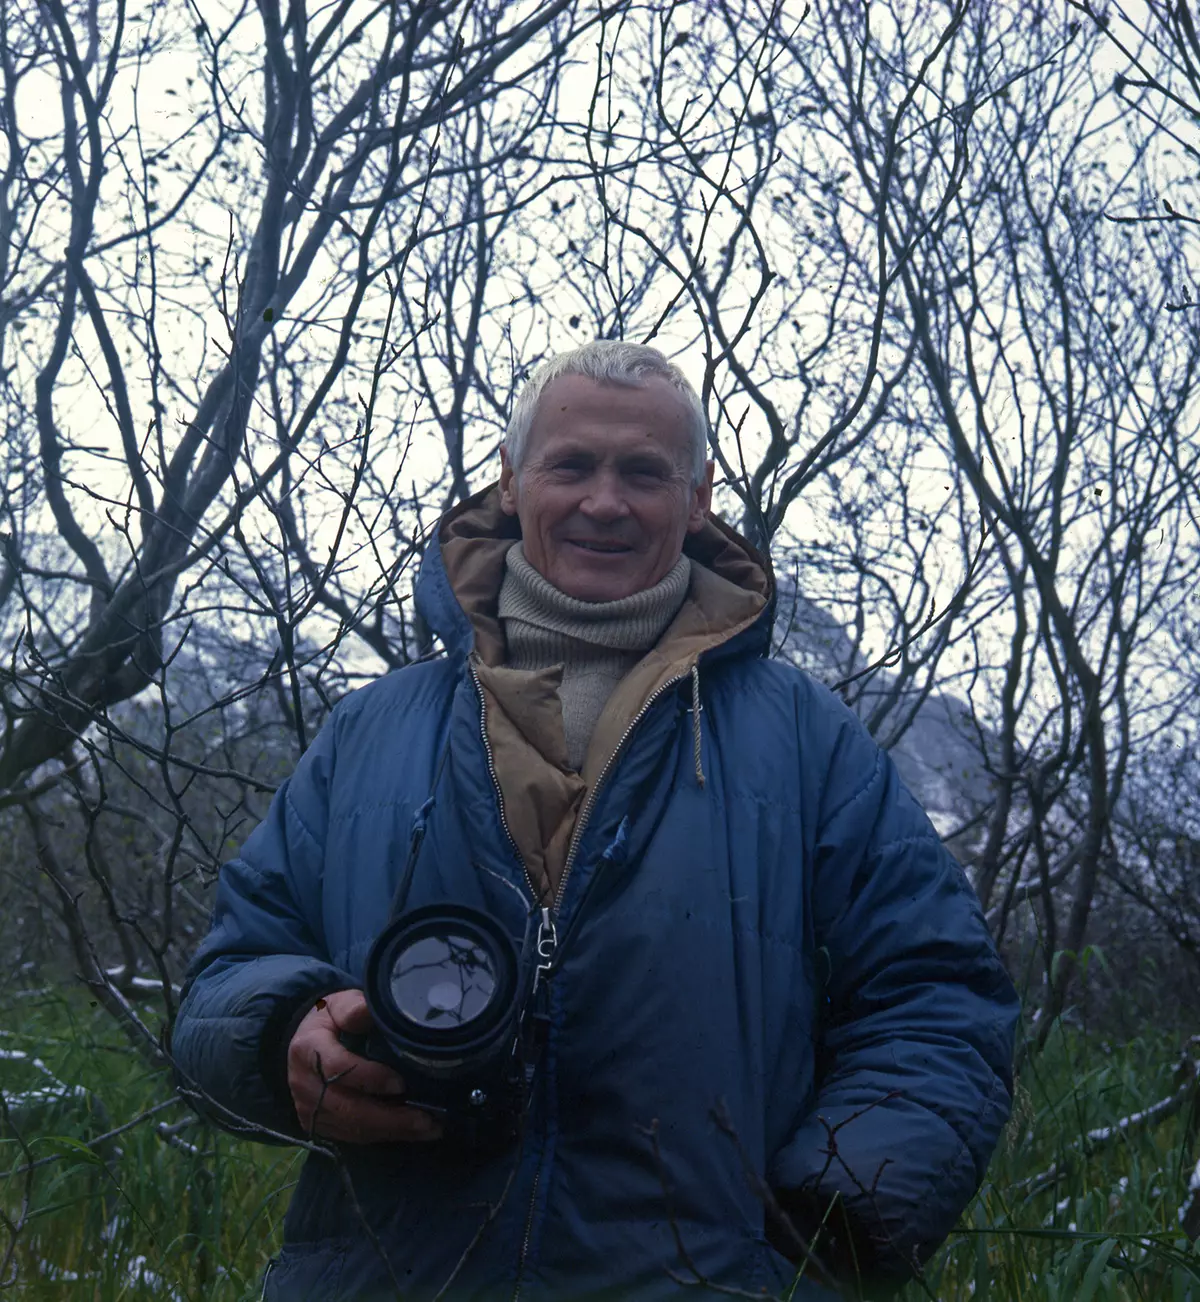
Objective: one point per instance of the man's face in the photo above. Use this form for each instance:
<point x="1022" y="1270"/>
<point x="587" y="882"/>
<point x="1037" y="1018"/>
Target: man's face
<point x="605" y="496"/>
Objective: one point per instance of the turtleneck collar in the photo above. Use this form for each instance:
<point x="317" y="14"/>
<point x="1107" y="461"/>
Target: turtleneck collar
<point x="592" y="645"/>
<point x="534" y="610"/>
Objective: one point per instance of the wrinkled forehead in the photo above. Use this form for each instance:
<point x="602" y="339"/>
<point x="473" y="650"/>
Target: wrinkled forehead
<point x="581" y="410"/>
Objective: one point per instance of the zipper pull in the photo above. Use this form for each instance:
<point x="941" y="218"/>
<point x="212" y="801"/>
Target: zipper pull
<point x="547" y="942"/>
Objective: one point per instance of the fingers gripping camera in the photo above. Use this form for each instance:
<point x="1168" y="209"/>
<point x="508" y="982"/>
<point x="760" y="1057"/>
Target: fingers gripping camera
<point x="459" y="1012"/>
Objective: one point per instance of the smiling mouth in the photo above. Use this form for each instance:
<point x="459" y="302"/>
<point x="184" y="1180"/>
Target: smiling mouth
<point x="601" y="549"/>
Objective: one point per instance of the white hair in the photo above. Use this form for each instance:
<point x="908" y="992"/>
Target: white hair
<point x="608" y="361"/>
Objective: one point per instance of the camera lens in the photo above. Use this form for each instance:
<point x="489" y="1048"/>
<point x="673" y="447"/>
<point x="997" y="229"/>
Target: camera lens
<point x="442" y="986"/>
<point x="443" y="981"/>
<point x="447" y="986"/>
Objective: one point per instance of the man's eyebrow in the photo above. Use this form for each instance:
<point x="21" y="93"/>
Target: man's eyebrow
<point x="570" y="450"/>
<point x="650" y="459"/>
<point x="648" y="456"/>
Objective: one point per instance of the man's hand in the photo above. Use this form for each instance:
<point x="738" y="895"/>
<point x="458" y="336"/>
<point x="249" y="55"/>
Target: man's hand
<point x="339" y="1095"/>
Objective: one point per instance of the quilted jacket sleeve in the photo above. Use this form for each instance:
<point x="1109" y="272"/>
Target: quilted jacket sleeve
<point x="915" y="1057"/>
<point x="263" y="962"/>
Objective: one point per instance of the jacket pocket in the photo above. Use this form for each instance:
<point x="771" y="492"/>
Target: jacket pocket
<point x="305" y="1272"/>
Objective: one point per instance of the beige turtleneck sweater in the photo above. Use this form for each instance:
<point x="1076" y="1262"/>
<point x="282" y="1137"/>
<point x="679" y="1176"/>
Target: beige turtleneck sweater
<point x="596" y="642"/>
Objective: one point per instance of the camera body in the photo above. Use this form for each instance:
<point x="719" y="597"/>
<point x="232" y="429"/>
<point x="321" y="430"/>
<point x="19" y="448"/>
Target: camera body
<point x="478" y="1112"/>
<point x="451" y="996"/>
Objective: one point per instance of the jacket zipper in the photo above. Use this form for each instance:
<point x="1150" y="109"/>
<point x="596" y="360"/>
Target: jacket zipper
<point x="546" y="930"/>
<point x="548" y="915"/>
<point x="491" y="763"/>
<point x="547" y="937"/>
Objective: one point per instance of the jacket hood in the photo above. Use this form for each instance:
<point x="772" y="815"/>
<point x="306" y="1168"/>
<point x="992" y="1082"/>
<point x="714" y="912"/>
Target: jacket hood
<point x="458" y="584"/>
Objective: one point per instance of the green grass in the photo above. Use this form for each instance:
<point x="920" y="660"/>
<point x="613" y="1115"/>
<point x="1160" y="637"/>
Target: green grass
<point x="142" y="1218"/>
<point x="201" y="1223"/>
<point x="1108" y="1228"/>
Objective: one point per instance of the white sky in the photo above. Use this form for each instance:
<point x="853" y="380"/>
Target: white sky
<point x="163" y="106"/>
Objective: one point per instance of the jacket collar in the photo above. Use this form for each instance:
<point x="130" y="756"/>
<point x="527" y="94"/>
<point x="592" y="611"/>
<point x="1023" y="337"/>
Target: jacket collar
<point x="458" y="584"/>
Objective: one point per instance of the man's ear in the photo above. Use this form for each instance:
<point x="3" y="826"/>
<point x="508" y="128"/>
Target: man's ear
<point x="701" y="500"/>
<point x="508" y="484"/>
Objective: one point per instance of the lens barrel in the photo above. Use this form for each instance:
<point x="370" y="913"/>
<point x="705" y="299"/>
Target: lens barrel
<point x="447" y="987"/>
<point x="442" y="986"/>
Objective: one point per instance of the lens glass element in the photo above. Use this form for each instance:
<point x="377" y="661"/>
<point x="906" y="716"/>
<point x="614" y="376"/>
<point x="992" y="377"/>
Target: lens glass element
<point x="443" y="981"/>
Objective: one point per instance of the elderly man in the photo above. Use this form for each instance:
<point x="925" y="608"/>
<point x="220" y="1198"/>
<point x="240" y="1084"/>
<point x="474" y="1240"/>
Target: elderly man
<point x="775" y="1035"/>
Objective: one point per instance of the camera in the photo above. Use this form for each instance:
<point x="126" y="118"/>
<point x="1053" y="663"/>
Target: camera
<point x="459" y="1012"/>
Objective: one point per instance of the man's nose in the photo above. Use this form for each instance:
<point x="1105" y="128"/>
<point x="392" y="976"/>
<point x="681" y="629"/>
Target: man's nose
<point x="604" y="500"/>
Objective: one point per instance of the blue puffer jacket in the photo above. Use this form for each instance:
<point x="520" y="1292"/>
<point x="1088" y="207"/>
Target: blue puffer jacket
<point x="780" y="980"/>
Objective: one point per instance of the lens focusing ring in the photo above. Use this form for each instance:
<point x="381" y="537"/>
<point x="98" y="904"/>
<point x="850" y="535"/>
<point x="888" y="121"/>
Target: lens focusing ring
<point x="433" y="961"/>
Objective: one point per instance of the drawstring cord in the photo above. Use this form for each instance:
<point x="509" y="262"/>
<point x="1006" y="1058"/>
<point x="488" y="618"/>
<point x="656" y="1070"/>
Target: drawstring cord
<point x="696" y="724"/>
